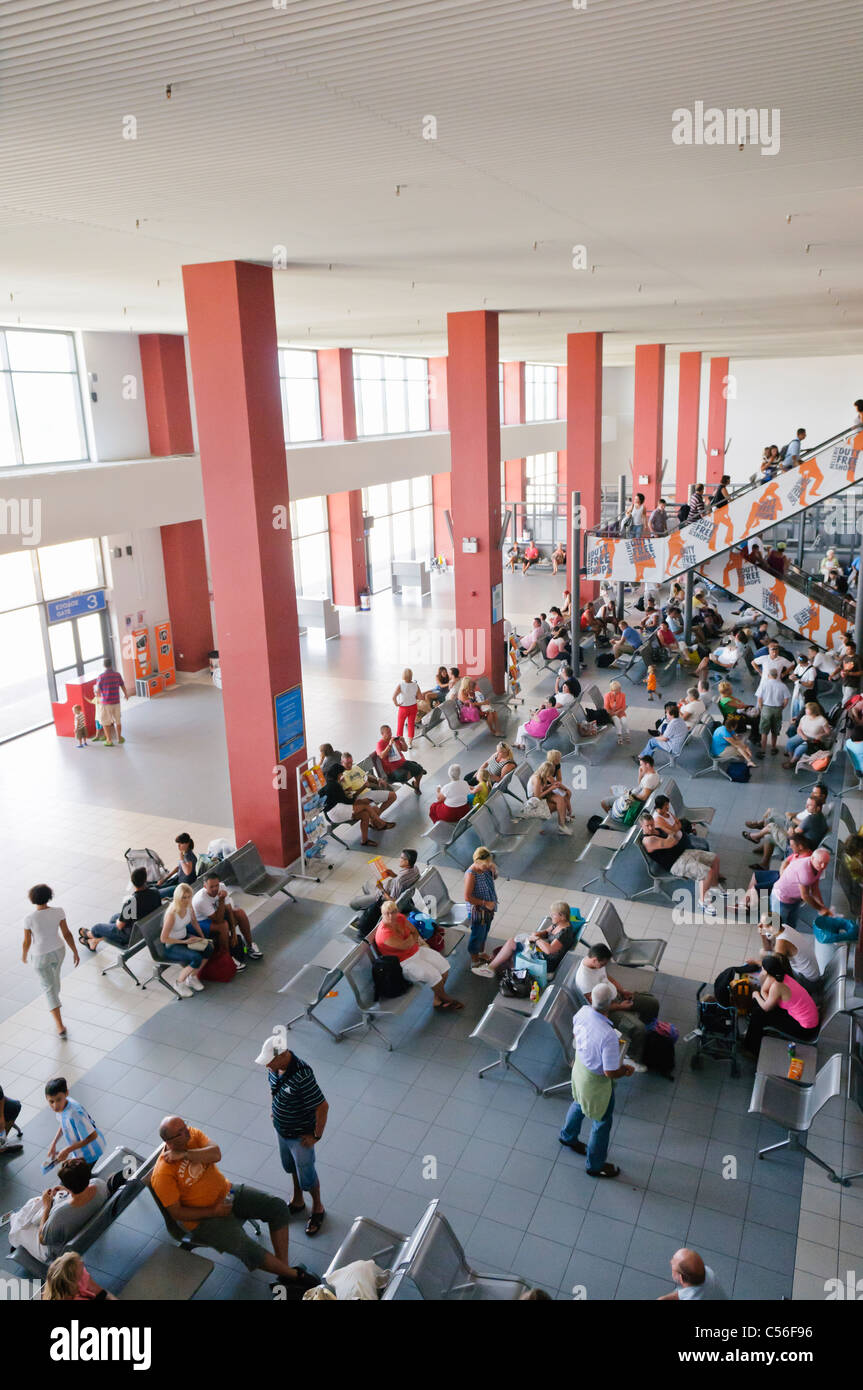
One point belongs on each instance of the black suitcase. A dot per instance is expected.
(387, 977)
(658, 1054)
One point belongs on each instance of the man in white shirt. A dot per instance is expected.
(595, 1069)
(648, 780)
(692, 706)
(772, 660)
(771, 698)
(219, 919)
(629, 1012)
(694, 1280)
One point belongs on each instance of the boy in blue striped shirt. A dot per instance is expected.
(79, 1131)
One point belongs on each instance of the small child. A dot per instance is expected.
(482, 790)
(82, 1136)
(100, 732)
(80, 726)
(650, 682)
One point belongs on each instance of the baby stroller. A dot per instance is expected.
(716, 1033)
(146, 859)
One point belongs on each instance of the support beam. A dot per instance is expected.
(688, 403)
(235, 374)
(716, 420)
(474, 422)
(514, 470)
(441, 484)
(647, 437)
(582, 471)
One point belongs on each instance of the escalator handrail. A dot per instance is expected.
(750, 486)
(843, 604)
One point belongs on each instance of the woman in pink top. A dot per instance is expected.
(615, 705)
(794, 1011)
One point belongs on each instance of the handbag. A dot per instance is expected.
(535, 809)
(631, 814)
(515, 985)
(534, 963)
(195, 943)
(219, 969)
(828, 930)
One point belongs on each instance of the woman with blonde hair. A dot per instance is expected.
(480, 895)
(615, 705)
(420, 964)
(67, 1281)
(545, 785)
(471, 707)
(405, 698)
(179, 930)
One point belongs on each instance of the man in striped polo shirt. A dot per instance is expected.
(299, 1116)
(108, 688)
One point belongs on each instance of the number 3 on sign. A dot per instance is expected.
(92, 601)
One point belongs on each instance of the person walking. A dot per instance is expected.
(299, 1111)
(481, 897)
(108, 689)
(595, 1069)
(45, 930)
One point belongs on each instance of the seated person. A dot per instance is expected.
(772, 660)
(665, 816)
(691, 707)
(513, 558)
(538, 724)
(497, 766)
(672, 735)
(630, 1012)
(421, 965)
(389, 886)
(559, 645)
(780, 1002)
(327, 756)
(666, 637)
(530, 642)
(652, 617)
(629, 639)
(564, 674)
(727, 746)
(666, 849)
(45, 1224)
(452, 798)
(648, 780)
(747, 716)
(397, 768)
(440, 690)
(185, 872)
(343, 809)
(472, 707)
(531, 556)
(813, 732)
(215, 913)
(179, 929)
(797, 948)
(558, 557)
(138, 904)
(552, 942)
(545, 785)
(358, 783)
(773, 830)
(556, 620)
(67, 1281)
(567, 695)
(197, 1195)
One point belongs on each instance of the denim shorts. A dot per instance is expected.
(299, 1161)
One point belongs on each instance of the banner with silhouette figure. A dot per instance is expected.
(655, 558)
(776, 598)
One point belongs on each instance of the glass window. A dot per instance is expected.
(540, 390)
(41, 416)
(378, 500)
(391, 393)
(422, 491)
(62, 645)
(401, 496)
(25, 702)
(313, 553)
(17, 580)
(500, 387)
(301, 405)
(91, 637)
(70, 568)
(310, 516)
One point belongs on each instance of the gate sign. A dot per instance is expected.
(76, 606)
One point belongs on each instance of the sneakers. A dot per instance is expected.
(183, 990)
(255, 953)
(564, 830)
(240, 964)
(194, 983)
(484, 971)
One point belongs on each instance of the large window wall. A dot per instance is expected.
(41, 414)
(311, 539)
(301, 402)
(391, 393)
(403, 526)
(40, 656)
(540, 392)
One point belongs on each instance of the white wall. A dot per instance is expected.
(117, 419)
(136, 583)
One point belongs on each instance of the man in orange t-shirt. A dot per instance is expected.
(197, 1195)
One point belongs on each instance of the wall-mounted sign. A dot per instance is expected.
(290, 728)
(60, 610)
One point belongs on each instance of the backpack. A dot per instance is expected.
(733, 975)
(594, 823)
(387, 978)
(515, 984)
(658, 1054)
(738, 771)
(683, 513)
(782, 452)
(605, 659)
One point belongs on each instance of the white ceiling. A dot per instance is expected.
(293, 127)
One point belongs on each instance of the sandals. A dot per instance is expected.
(450, 1004)
(82, 937)
(295, 1210)
(315, 1222)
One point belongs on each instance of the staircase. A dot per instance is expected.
(829, 469)
(796, 598)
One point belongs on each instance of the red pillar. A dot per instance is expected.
(688, 402)
(234, 354)
(344, 509)
(647, 440)
(583, 469)
(441, 482)
(716, 410)
(474, 422)
(514, 470)
(169, 424)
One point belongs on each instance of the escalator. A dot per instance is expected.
(796, 599)
(822, 473)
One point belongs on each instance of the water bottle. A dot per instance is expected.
(792, 1051)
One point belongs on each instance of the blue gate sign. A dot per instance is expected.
(60, 610)
(290, 730)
